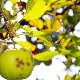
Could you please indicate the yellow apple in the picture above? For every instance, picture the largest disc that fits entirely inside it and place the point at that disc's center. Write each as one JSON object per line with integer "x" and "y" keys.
{"x": 16, "y": 64}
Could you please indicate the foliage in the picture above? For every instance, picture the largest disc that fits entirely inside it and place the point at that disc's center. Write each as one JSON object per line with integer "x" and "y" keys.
{"x": 48, "y": 30}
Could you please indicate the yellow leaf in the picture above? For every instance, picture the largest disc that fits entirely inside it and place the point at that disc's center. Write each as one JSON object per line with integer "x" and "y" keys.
{"x": 36, "y": 8}
{"x": 27, "y": 45}
{"x": 68, "y": 77}
{"x": 56, "y": 24}
{"x": 66, "y": 42}
{"x": 48, "y": 23}
{"x": 4, "y": 34}
{"x": 38, "y": 23}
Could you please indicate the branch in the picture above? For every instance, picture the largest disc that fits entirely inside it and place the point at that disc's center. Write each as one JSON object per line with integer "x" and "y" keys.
{"x": 6, "y": 27}
{"x": 68, "y": 7}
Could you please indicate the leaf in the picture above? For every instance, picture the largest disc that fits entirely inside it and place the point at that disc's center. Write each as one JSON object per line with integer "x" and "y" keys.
{"x": 48, "y": 63}
{"x": 78, "y": 77}
{"x": 73, "y": 19}
{"x": 76, "y": 53}
{"x": 27, "y": 45}
{"x": 41, "y": 35}
{"x": 36, "y": 8}
{"x": 65, "y": 43}
{"x": 68, "y": 77}
{"x": 65, "y": 51}
{"x": 45, "y": 56}
{"x": 38, "y": 23}
{"x": 56, "y": 24}
{"x": 77, "y": 62}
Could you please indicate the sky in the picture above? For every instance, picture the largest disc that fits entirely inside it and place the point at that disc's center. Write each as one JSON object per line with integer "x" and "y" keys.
{"x": 57, "y": 68}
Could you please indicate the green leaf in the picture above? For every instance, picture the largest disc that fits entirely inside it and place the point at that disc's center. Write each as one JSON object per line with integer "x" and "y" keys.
{"x": 36, "y": 8}
{"x": 45, "y": 56}
{"x": 76, "y": 54}
{"x": 77, "y": 62}
{"x": 41, "y": 35}
{"x": 65, "y": 51}
{"x": 73, "y": 19}
{"x": 48, "y": 63}
{"x": 78, "y": 77}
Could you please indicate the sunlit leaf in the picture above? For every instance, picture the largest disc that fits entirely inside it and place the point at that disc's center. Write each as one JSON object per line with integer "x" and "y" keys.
{"x": 38, "y": 23}
{"x": 27, "y": 45}
{"x": 77, "y": 77}
{"x": 36, "y": 8}
{"x": 41, "y": 35}
{"x": 48, "y": 23}
{"x": 76, "y": 53}
{"x": 56, "y": 24}
{"x": 68, "y": 77}
{"x": 45, "y": 56}
{"x": 65, "y": 43}
{"x": 65, "y": 51}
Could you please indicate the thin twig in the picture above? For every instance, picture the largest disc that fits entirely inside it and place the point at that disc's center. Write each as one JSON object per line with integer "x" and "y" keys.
{"x": 6, "y": 27}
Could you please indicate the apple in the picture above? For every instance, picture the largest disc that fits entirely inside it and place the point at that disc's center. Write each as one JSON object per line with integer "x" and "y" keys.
{"x": 16, "y": 64}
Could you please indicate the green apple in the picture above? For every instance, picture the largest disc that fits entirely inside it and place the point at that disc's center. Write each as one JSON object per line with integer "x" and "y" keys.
{"x": 16, "y": 64}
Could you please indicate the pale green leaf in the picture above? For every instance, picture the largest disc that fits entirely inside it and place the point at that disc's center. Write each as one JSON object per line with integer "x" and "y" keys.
{"x": 41, "y": 35}
{"x": 45, "y": 56}
{"x": 65, "y": 51}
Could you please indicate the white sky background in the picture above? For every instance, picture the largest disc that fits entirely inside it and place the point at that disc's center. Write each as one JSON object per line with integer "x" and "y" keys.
{"x": 57, "y": 68}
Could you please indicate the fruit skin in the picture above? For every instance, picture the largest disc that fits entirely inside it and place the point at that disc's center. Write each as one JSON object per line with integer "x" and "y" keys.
{"x": 16, "y": 64}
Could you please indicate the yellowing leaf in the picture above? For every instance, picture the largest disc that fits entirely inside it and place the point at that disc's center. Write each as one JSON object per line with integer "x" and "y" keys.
{"x": 47, "y": 31}
{"x": 4, "y": 34}
{"x": 68, "y": 77}
{"x": 38, "y": 23}
{"x": 48, "y": 23}
{"x": 66, "y": 42}
{"x": 36, "y": 8}
{"x": 45, "y": 56}
{"x": 56, "y": 24}
{"x": 27, "y": 45}
{"x": 41, "y": 35}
